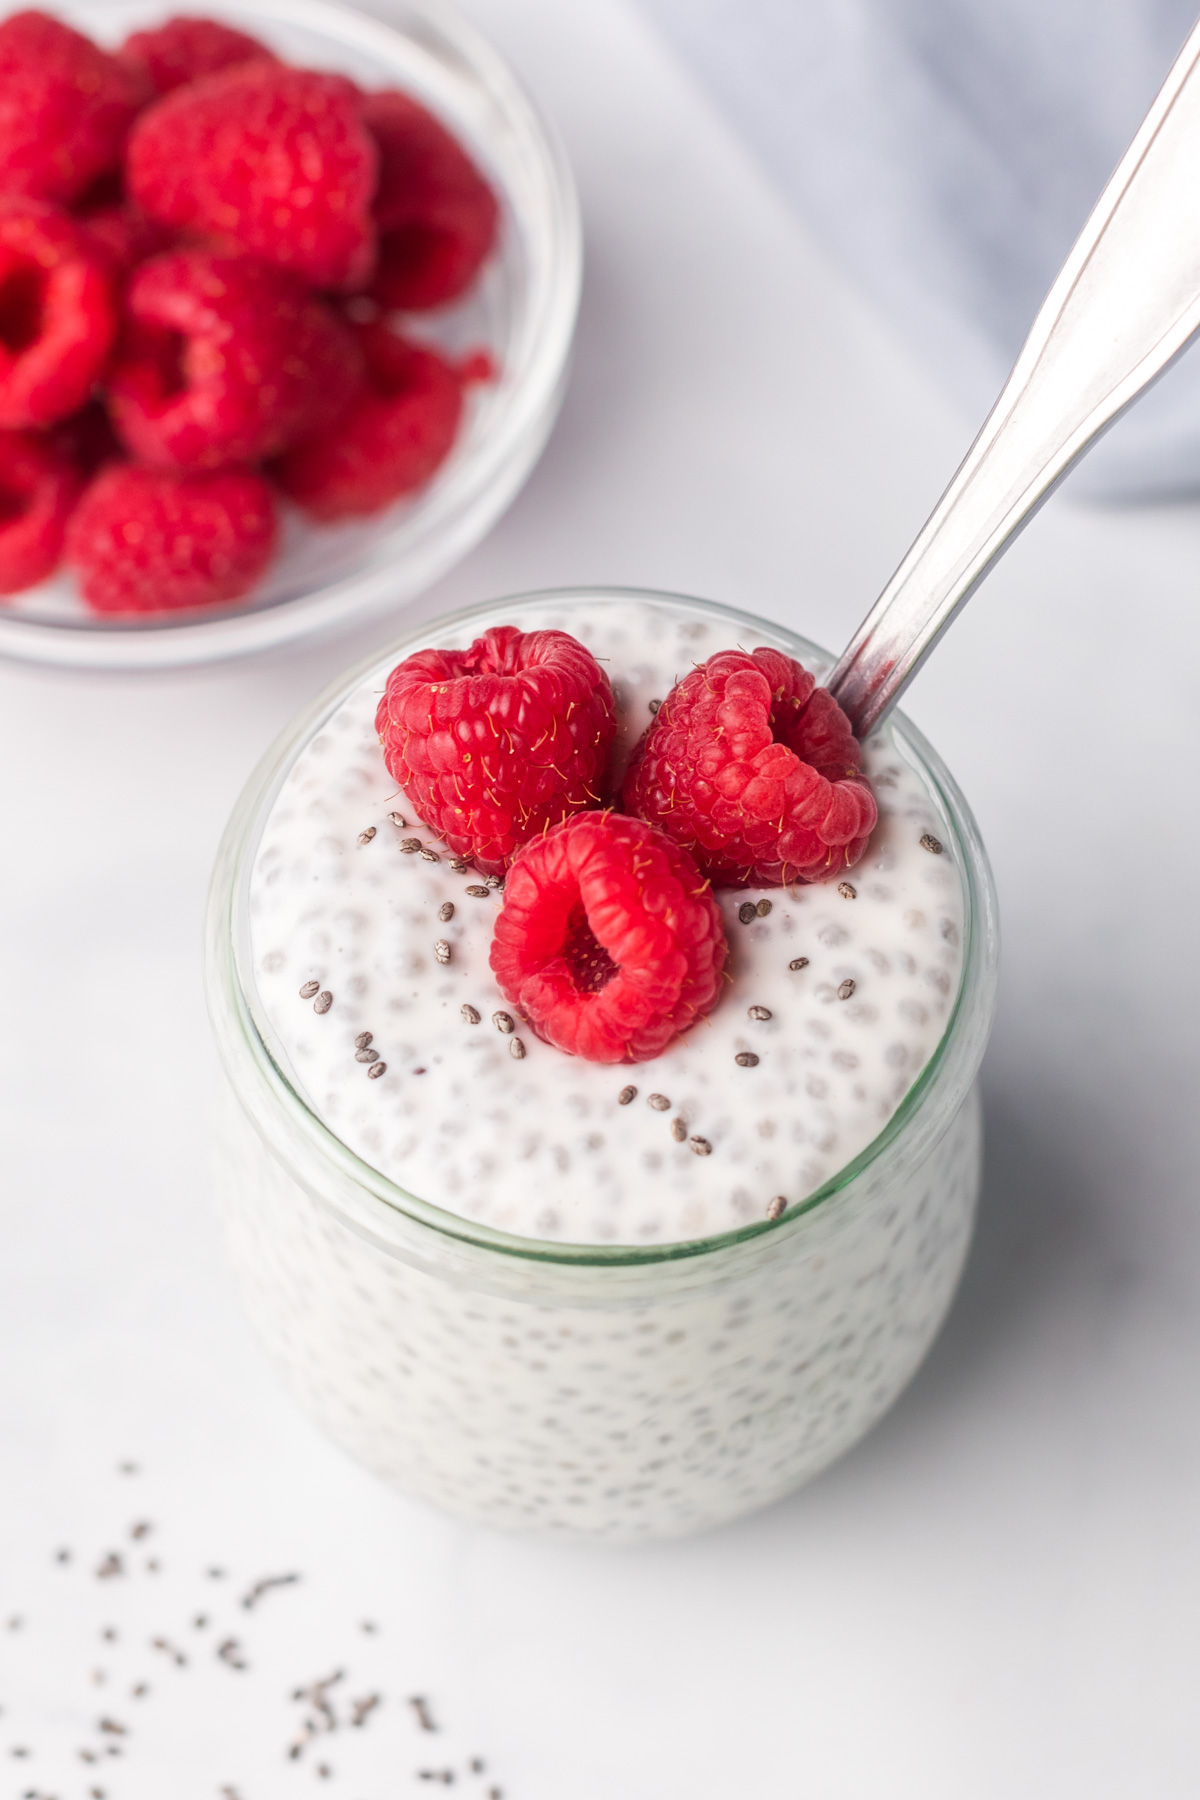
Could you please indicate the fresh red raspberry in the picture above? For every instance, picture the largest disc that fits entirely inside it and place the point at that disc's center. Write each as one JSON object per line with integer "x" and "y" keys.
{"x": 609, "y": 940}
{"x": 183, "y": 50}
{"x": 495, "y": 744}
{"x": 57, "y": 319}
{"x": 437, "y": 216}
{"x": 226, "y": 359}
{"x": 390, "y": 441}
{"x": 756, "y": 771}
{"x": 272, "y": 160}
{"x": 143, "y": 541}
{"x": 38, "y": 488}
{"x": 65, "y": 108}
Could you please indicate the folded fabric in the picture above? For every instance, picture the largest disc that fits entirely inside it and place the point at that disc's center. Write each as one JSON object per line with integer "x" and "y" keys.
{"x": 949, "y": 152}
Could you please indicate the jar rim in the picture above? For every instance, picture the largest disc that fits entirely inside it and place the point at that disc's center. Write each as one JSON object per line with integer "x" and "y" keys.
{"x": 232, "y": 1010}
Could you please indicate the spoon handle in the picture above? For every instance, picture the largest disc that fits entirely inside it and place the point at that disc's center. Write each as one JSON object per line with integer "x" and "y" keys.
{"x": 1125, "y": 304}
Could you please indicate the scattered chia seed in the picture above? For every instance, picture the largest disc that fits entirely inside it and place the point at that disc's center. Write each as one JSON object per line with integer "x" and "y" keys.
{"x": 323, "y": 1002}
{"x": 366, "y": 1055}
{"x": 847, "y": 890}
{"x": 746, "y": 1059}
{"x": 410, "y": 845}
{"x": 678, "y": 1130}
{"x": 516, "y": 1048}
{"x": 458, "y": 865}
{"x": 309, "y": 989}
{"x": 251, "y": 1598}
{"x": 471, "y": 1015}
{"x": 503, "y": 1022}
{"x": 398, "y": 819}
{"x": 747, "y": 912}
{"x": 363, "y": 1039}
{"x": 420, "y": 1706}
{"x": 446, "y": 911}
{"x": 231, "y": 1652}
{"x": 428, "y": 855}
{"x": 493, "y": 881}
{"x": 478, "y": 893}
{"x": 761, "y": 1013}
{"x": 442, "y": 951}
{"x": 110, "y": 1566}
{"x": 932, "y": 844}
{"x": 846, "y": 988}
{"x": 141, "y": 1530}
{"x": 763, "y": 908}
{"x": 364, "y": 837}
{"x": 654, "y": 705}
{"x": 776, "y": 1206}
{"x": 798, "y": 962}
{"x": 700, "y": 1146}
{"x": 626, "y": 1095}
{"x": 376, "y": 1070}
{"x": 659, "y": 1102}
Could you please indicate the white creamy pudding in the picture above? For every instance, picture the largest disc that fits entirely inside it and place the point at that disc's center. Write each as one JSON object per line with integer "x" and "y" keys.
{"x": 501, "y": 1278}
{"x": 836, "y": 993}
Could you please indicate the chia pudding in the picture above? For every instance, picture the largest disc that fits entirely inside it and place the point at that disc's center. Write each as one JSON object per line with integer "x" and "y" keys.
{"x": 595, "y": 1300}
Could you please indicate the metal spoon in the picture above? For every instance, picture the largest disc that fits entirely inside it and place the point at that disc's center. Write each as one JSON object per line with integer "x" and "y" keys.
{"x": 1125, "y": 305}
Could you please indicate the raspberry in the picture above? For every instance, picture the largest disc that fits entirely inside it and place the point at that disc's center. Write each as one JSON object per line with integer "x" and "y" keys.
{"x": 226, "y": 359}
{"x": 65, "y": 108}
{"x": 389, "y": 442}
{"x": 56, "y": 314}
{"x": 143, "y": 541}
{"x": 756, "y": 770}
{"x": 183, "y": 50}
{"x": 116, "y": 226}
{"x": 272, "y": 160}
{"x": 609, "y": 940}
{"x": 38, "y": 488}
{"x": 496, "y": 743}
{"x": 436, "y": 214}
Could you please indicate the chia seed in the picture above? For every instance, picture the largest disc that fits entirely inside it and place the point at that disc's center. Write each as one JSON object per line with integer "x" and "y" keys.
{"x": 626, "y": 1095}
{"x": 846, "y": 988}
{"x": 516, "y": 1048}
{"x": 364, "y": 837}
{"x": 309, "y": 989}
{"x": 323, "y": 1002}
{"x": 678, "y": 1130}
{"x": 776, "y": 1207}
{"x": 442, "y": 951}
{"x": 747, "y": 912}
{"x": 363, "y": 1039}
{"x": 763, "y": 908}
{"x": 798, "y": 962}
{"x": 410, "y": 845}
{"x": 504, "y": 1022}
{"x": 847, "y": 890}
{"x": 471, "y": 1014}
{"x": 700, "y": 1146}
{"x": 446, "y": 911}
{"x": 932, "y": 844}
{"x": 478, "y": 893}
{"x": 376, "y": 1070}
{"x": 746, "y": 1059}
{"x": 659, "y": 1102}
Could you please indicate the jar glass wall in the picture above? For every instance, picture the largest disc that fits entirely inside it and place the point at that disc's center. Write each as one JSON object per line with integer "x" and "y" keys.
{"x": 593, "y": 1391}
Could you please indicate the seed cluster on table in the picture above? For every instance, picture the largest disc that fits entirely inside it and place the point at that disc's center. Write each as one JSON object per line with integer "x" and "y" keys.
{"x": 209, "y": 1689}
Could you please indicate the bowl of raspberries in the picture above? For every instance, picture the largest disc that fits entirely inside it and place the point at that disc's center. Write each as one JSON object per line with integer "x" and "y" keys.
{"x": 286, "y": 302}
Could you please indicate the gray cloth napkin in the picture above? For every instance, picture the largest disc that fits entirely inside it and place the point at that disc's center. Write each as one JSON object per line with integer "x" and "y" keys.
{"x": 949, "y": 151}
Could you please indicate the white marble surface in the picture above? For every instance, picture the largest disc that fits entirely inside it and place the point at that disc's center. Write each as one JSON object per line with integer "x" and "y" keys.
{"x": 996, "y": 1594}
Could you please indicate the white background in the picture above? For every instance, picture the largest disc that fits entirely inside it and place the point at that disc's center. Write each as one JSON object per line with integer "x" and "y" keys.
{"x": 998, "y": 1593}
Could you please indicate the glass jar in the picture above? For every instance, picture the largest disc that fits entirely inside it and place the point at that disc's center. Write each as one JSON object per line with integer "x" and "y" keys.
{"x": 600, "y": 1392}
{"x": 521, "y": 311}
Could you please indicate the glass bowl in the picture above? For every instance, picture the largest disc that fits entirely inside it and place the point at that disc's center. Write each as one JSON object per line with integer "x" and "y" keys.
{"x": 522, "y": 312}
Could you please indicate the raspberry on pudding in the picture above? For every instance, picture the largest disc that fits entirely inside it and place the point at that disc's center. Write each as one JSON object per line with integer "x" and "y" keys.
{"x": 608, "y": 940}
{"x": 497, "y": 742}
{"x": 755, "y": 770}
